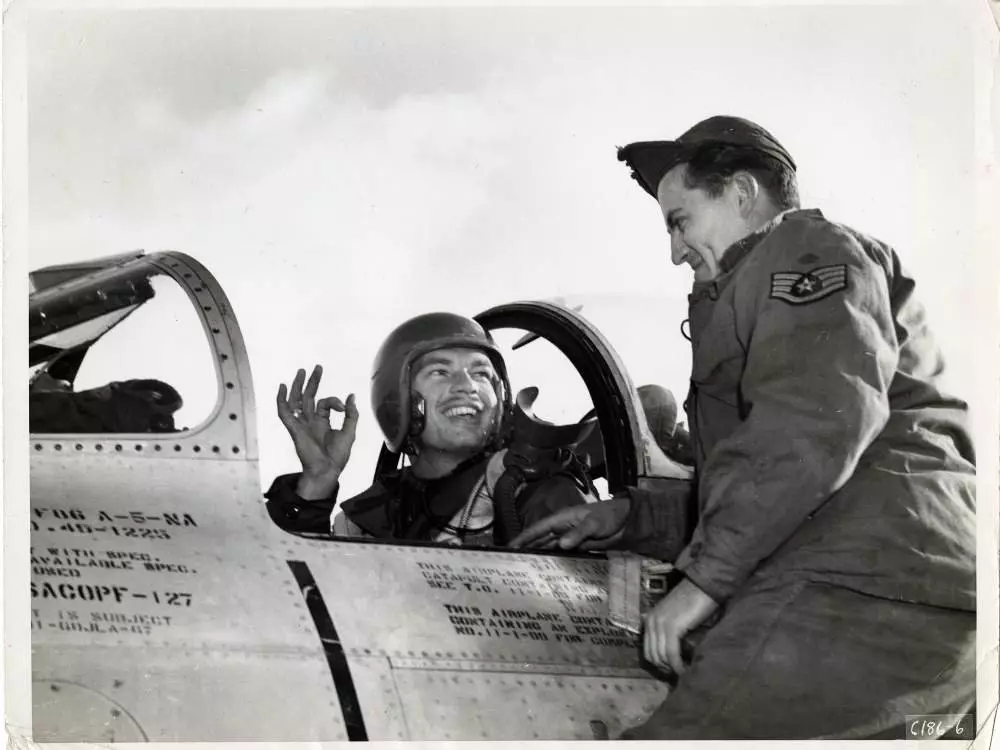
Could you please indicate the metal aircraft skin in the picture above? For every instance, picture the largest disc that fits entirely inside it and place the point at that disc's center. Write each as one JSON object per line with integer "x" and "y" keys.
{"x": 166, "y": 605}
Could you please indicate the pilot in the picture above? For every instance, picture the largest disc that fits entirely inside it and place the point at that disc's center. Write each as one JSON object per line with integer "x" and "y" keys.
{"x": 835, "y": 540}
{"x": 440, "y": 393}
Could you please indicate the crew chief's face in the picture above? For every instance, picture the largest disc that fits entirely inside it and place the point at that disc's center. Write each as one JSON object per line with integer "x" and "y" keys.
{"x": 701, "y": 227}
{"x": 460, "y": 400}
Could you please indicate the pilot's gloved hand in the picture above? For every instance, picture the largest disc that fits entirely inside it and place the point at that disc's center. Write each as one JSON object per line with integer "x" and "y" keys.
{"x": 591, "y": 526}
{"x": 322, "y": 450}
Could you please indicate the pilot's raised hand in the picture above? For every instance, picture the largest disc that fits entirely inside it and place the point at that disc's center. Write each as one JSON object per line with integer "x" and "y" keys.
{"x": 591, "y": 526}
{"x": 322, "y": 450}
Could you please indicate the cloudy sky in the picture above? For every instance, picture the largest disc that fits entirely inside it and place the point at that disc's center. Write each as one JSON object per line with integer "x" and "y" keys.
{"x": 342, "y": 169}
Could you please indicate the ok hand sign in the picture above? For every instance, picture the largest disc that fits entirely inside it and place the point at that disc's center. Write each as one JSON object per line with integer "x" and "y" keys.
{"x": 322, "y": 450}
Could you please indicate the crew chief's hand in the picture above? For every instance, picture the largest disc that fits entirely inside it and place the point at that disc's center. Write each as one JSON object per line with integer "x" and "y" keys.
{"x": 591, "y": 526}
{"x": 683, "y": 609}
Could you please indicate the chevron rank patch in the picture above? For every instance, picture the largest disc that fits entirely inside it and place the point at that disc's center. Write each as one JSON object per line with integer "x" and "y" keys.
{"x": 801, "y": 288}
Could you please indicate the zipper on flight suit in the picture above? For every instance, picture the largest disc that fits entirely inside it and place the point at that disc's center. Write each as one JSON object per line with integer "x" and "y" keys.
{"x": 691, "y": 402}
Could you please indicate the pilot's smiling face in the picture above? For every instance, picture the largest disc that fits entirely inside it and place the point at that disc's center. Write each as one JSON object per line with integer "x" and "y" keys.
{"x": 701, "y": 226}
{"x": 460, "y": 399}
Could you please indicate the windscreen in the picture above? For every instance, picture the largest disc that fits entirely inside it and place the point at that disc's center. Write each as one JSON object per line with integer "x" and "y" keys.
{"x": 127, "y": 356}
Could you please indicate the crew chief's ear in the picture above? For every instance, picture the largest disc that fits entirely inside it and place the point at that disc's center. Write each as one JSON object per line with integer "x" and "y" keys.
{"x": 747, "y": 189}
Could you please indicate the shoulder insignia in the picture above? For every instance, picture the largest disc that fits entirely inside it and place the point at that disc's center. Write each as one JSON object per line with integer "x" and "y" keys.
{"x": 803, "y": 287}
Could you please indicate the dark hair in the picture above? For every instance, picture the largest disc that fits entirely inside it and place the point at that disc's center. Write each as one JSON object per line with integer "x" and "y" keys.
{"x": 712, "y": 167}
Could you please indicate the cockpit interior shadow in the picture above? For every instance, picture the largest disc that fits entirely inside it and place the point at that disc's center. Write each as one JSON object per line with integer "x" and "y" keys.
{"x": 129, "y": 406}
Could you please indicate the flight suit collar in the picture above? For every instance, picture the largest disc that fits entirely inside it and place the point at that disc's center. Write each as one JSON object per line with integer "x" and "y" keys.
{"x": 741, "y": 248}
{"x": 397, "y": 505}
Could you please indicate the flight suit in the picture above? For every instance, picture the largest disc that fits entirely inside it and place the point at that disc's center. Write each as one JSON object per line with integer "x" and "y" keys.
{"x": 404, "y": 507}
{"x": 835, "y": 498}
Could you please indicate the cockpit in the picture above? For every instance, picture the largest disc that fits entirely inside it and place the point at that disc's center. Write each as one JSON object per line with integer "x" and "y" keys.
{"x": 573, "y": 393}
{"x": 141, "y": 354}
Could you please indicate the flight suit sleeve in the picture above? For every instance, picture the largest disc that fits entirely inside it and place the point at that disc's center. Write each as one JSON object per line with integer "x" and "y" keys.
{"x": 660, "y": 518}
{"x": 819, "y": 361}
{"x": 292, "y": 513}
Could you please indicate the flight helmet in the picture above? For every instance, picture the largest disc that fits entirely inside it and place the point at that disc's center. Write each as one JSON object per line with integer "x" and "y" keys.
{"x": 398, "y": 410}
